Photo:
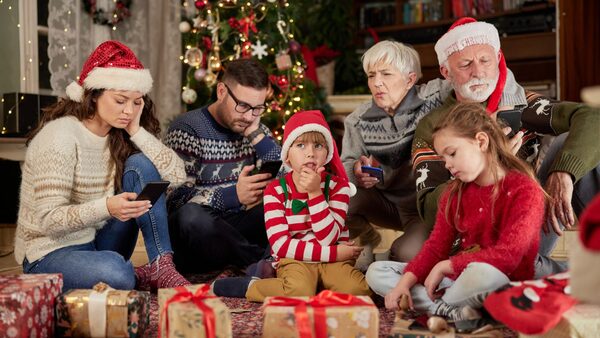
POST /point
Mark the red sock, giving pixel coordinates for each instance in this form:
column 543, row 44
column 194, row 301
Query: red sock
column 164, row 275
column 531, row 307
column 142, row 277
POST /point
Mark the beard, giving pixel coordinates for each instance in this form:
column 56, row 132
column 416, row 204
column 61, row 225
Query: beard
column 477, row 95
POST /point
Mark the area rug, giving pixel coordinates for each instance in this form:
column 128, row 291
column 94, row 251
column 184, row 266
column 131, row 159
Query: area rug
column 247, row 323
column 250, row 323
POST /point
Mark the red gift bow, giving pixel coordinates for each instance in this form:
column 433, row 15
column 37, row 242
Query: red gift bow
column 184, row 295
column 319, row 303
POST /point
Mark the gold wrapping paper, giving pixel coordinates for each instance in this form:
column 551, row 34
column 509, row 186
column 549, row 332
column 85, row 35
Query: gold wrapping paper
column 342, row 321
column 186, row 320
column 127, row 313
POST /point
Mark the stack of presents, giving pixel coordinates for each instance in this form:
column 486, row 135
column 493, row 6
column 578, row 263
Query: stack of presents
column 33, row 306
column 563, row 305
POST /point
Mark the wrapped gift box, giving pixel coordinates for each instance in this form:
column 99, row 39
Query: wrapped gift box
column 584, row 281
column 102, row 312
column 27, row 304
column 343, row 316
column 188, row 312
column 581, row 321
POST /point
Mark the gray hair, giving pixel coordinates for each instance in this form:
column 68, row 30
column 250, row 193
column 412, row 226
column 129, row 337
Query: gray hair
column 397, row 54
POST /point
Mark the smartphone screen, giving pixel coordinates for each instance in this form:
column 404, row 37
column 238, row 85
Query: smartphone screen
column 152, row 191
column 373, row 171
column 510, row 118
column 269, row 167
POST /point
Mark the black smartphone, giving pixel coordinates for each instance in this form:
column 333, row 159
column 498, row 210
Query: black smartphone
column 269, row 167
column 510, row 118
column 152, row 191
column 373, row 171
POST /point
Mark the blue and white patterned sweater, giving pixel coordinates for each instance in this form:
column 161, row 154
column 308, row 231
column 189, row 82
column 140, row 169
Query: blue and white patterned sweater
column 214, row 157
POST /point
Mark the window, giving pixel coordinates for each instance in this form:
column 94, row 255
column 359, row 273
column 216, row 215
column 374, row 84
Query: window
column 33, row 18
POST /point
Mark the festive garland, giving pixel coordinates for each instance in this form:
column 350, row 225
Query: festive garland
column 118, row 14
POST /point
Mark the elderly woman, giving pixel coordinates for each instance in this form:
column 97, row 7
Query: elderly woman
column 380, row 133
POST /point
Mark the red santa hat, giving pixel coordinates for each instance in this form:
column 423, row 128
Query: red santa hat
column 314, row 121
column 112, row 65
column 466, row 32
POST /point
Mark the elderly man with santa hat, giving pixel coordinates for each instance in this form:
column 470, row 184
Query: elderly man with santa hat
column 470, row 58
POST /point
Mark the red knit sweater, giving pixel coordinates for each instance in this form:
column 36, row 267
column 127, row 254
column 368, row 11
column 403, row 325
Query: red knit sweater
column 510, row 243
column 311, row 235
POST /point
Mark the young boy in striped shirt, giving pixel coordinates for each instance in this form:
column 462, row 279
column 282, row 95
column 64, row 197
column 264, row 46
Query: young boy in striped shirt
column 305, row 213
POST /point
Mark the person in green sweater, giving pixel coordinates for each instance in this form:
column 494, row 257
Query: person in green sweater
column 470, row 58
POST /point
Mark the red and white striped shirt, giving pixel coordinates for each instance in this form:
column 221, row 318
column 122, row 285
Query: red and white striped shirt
column 312, row 234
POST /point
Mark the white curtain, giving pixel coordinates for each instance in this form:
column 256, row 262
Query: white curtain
column 152, row 32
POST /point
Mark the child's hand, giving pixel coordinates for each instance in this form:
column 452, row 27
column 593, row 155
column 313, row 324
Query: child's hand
column 310, row 181
column 392, row 299
column 348, row 251
column 439, row 271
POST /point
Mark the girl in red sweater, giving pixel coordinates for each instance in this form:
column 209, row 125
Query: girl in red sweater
column 492, row 213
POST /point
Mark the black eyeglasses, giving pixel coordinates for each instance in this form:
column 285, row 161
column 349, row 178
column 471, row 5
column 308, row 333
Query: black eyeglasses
column 243, row 107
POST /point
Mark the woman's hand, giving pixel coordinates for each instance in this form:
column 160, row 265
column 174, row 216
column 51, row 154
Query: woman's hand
column 134, row 125
column 403, row 287
column 124, row 207
column 439, row 271
column 364, row 180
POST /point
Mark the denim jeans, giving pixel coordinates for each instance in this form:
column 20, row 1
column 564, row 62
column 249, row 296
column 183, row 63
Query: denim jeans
column 106, row 259
column 476, row 281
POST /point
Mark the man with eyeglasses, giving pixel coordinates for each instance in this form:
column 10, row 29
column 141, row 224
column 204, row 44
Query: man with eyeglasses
column 217, row 218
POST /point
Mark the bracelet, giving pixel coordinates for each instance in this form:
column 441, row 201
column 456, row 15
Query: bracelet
column 254, row 134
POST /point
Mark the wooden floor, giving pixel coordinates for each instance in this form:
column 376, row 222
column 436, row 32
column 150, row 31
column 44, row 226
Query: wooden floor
column 8, row 265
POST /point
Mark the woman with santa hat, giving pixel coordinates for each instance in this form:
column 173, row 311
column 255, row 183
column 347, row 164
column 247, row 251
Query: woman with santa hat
column 86, row 162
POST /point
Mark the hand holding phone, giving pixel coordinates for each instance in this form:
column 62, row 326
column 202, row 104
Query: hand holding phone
column 510, row 118
column 152, row 191
column 373, row 171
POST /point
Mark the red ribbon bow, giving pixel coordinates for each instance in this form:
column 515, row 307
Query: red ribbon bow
column 184, row 295
column 244, row 25
column 319, row 303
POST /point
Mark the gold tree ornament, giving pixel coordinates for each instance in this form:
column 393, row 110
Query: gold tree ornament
column 210, row 79
column 194, row 57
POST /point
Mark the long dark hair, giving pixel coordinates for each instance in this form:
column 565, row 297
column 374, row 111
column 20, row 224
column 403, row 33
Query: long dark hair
column 466, row 120
column 119, row 144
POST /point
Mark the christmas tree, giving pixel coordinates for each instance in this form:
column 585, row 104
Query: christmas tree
column 224, row 30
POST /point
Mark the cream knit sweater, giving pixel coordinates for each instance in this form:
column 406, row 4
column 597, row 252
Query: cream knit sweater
column 67, row 178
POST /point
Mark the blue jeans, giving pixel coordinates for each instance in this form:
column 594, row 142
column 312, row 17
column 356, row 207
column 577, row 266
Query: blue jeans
column 106, row 259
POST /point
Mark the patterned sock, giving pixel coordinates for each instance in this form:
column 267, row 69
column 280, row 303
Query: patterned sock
column 142, row 277
column 455, row 313
column 164, row 275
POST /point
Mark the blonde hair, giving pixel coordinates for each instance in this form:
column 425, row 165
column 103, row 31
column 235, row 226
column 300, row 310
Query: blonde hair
column 403, row 57
column 466, row 120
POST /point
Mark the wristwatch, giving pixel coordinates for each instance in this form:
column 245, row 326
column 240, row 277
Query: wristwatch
column 254, row 134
